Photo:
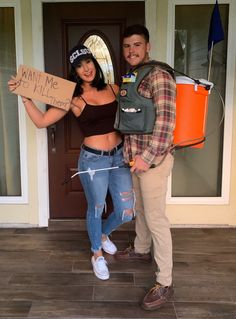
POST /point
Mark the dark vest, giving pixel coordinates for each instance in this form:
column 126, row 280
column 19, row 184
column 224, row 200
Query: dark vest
column 136, row 114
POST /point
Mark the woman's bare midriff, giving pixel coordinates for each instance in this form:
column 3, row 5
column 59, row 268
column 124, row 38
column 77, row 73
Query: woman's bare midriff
column 104, row 142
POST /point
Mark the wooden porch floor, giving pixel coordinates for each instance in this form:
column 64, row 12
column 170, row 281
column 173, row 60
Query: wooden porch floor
column 47, row 274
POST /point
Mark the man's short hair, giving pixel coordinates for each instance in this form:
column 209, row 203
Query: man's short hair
column 136, row 29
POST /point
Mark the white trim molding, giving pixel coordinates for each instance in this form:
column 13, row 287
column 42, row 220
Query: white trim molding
column 41, row 134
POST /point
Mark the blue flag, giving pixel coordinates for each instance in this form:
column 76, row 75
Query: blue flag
column 216, row 32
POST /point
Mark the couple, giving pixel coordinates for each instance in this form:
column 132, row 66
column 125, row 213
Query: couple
column 94, row 104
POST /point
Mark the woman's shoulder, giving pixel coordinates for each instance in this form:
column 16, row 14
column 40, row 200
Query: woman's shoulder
column 78, row 101
column 77, row 105
column 115, row 88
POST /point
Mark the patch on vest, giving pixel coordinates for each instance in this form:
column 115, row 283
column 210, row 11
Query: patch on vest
column 131, row 110
column 123, row 92
column 129, row 77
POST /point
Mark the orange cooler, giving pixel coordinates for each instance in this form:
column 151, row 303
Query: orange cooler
column 191, row 111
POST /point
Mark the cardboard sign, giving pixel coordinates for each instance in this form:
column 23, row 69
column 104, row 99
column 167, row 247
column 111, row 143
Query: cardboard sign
column 44, row 87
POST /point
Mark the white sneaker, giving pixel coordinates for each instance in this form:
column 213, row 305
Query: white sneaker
column 109, row 247
column 100, row 268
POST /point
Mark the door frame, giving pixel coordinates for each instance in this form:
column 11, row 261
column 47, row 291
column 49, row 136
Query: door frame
column 41, row 135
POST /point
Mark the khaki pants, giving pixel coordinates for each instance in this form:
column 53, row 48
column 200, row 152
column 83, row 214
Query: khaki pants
column 152, row 224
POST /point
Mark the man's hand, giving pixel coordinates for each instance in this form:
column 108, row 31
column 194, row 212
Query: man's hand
column 139, row 165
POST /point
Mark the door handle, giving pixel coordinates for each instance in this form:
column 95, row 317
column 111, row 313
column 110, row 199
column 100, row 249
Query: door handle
column 53, row 129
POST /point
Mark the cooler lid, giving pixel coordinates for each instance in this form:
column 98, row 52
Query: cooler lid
column 184, row 80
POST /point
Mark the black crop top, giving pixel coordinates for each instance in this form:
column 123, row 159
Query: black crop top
column 97, row 119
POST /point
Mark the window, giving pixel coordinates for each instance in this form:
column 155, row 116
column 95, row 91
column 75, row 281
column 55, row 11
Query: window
column 102, row 54
column 12, row 166
column 211, row 170
column 198, row 172
column 10, row 184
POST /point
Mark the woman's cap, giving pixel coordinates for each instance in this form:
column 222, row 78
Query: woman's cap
column 78, row 53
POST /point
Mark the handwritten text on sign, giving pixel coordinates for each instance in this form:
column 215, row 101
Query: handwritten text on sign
column 44, row 87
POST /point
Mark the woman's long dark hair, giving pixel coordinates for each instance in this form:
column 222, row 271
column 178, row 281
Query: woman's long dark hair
column 98, row 82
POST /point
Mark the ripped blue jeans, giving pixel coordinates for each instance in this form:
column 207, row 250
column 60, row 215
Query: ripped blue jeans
column 96, row 185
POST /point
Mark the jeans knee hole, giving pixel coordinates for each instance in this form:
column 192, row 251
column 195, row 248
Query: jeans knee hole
column 128, row 212
column 126, row 196
column 127, row 215
column 98, row 210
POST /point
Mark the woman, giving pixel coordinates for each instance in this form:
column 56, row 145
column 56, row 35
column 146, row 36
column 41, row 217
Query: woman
column 94, row 105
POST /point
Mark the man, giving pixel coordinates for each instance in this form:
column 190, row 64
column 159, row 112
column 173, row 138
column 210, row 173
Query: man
column 152, row 164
